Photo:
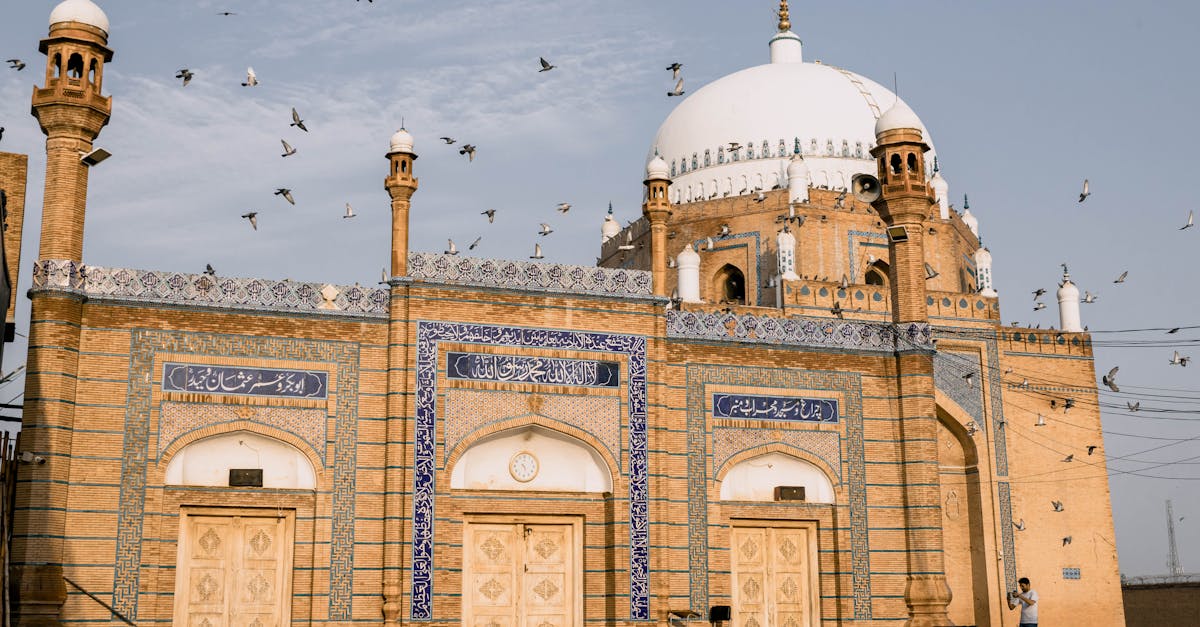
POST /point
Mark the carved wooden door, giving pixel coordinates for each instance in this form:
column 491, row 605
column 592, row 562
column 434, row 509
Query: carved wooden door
column 774, row 574
column 234, row 571
column 519, row 575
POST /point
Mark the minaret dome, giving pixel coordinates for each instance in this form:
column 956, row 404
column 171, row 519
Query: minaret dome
column 81, row 11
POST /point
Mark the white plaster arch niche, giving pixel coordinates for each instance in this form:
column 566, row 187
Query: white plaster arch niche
column 564, row 463
column 755, row 479
column 206, row 462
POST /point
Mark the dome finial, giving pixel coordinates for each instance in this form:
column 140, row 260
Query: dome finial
column 785, row 24
column 610, row 207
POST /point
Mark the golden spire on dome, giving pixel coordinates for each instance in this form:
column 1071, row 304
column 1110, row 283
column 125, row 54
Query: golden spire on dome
column 785, row 24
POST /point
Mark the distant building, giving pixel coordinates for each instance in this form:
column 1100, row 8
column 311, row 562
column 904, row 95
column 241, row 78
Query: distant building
column 826, row 425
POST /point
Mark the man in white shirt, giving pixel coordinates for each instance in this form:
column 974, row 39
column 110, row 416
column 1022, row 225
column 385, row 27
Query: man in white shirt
column 1027, row 598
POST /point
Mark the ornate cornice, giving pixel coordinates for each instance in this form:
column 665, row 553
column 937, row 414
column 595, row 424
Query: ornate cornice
column 800, row 331
column 527, row 275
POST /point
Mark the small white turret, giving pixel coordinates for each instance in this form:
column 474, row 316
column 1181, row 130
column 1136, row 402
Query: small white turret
column 941, row 192
column 968, row 218
column 402, row 141
column 1068, row 304
column 785, row 45
column 787, row 255
column 797, row 175
column 657, row 169
column 688, row 263
column 983, row 273
column 610, row 228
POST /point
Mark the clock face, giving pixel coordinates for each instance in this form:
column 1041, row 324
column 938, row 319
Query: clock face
column 523, row 466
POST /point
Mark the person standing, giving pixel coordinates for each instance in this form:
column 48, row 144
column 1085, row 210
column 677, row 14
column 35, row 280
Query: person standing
column 1027, row 598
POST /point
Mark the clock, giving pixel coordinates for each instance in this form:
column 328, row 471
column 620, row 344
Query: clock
column 523, row 466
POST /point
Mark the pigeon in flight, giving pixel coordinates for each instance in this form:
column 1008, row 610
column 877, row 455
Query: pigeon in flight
column 349, row 212
column 287, row 149
column 251, row 78
column 383, row 276
column 1, row 132
column 930, row 273
column 1092, row 448
column 1039, row 306
column 675, row 67
column 1041, row 421
column 563, row 207
column 253, row 218
column 734, row 146
column 761, row 197
column 708, row 243
column 475, row 243
column 1180, row 361
column 1191, row 221
column 546, row 67
column 1173, row 330
column 1085, row 193
column 537, row 252
column 1020, row 525
column 186, row 75
column 490, row 213
column 1121, row 279
column 1088, row 298
column 452, row 250
column 1110, row 379
column 468, row 150
column 1133, row 406
column 16, row 64
column 969, row 378
column 448, row 140
column 1066, row 540
column 628, row 245
column 546, row 230
column 678, row 91
column 1038, row 293
column 297, row 122
column 208, row 269
column 1069, row 458
column 226, row 13
column 1058, row 505
column 286, row 193
column 837, row 309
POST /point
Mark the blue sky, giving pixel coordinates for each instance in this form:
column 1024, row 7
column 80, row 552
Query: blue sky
column 1023, row 99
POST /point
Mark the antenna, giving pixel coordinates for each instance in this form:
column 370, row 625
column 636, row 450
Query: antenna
column 896, row 84
column 1174, row 568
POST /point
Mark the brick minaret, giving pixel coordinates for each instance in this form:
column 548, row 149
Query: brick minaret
column 71, row 112
column 657, row 209
column 904, row 206
column 400, row 184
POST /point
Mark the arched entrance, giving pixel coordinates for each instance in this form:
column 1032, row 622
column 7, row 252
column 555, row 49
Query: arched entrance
column 962, row 523
column 729, row 285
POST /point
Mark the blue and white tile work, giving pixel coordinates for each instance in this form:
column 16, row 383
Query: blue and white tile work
column 528, row 275
column 799, row 331
column 630, row 348
column 949, row 368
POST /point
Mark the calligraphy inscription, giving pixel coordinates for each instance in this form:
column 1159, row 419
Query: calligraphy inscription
column 521, row 369
column 245, row 381
column 775, row 408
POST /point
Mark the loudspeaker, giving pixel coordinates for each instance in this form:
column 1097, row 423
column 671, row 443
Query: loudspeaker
column 865, row 187
column 719, row 613
column 789, row 493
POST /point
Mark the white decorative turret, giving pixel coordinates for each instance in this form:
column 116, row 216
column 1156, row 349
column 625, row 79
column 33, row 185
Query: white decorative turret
column 898, row 117
column 1068, row 304
column 402, row 141
column 785, row 45
column 688, row 263
column 787, row 255
column 81, row 11
column 968, row 219
column 797, row 175
column 610, row 228
column 983, row 273
column 941, row 192
column 657, row 169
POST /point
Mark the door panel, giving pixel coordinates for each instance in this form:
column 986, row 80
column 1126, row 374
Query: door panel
column 774, row 571
column 519, row 575
column 491, row 573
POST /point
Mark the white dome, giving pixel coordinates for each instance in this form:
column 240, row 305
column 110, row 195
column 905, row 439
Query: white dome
column 939, row 185
column 899, row 116
column 828, row 112
column 610, row 228
column 656, row 170
column 402, row 141
column 82, row 11
column 797, row 167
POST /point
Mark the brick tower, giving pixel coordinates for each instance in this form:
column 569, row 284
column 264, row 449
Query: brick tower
column 904, row 206
column 71, row 112
column 400, row 184
column 657, row 209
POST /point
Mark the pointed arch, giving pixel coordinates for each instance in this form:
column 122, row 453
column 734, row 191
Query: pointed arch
column 729, row 285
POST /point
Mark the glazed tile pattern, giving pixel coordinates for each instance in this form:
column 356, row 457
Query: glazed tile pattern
column 176, row 420
column 470, row 410
column 729, row 441
column 700, row 474
column 207, row 291
column 528, row 275
column 948, row 370
column 799, row 331
column 342, row 357
column 1006, row 536
column 630, row 347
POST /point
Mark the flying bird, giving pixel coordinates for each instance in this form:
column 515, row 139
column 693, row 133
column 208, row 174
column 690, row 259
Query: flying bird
column 286, row 193
column 226, row 13
column 678, row 91
column 16, row 64
column 1092, row 448
column 1066, row 540
column 1039, row 306
column 208, row 269
column 253, row 218
column 452, row 250
column 537, row 252
column 1133, row 406
column 1191, row 221
column 969, row 378
column 475, row 243
column 930, row 273
column 628, row 245
column 708, row 243
column 186, row 75
column 1174, row 330
column 734, row 146
column 1121, row 279
column 251, row 78
column 1085, row 193
column 1069, row 458
column 1110, row 379
column 1, row 132
column 349, row 212
column 675, row 67
column 1020, row 525
column 448, row 140
column 1041, row 421
column 297, row 122
column 1068, row 404
column 563, row 207
column 287, row 149
column 546, row 67
column 468, row 150
column 383, row 276
column 546, row 230
column 1088, row 298
column 490, row 213
column 1058, row 505
column 762, row 196
column 837, row 309
column 1180, row 361
column 1038, row 293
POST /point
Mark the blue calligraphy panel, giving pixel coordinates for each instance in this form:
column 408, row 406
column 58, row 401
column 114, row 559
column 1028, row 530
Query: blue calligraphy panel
column 273, row 382
column 775, row 408
column 522, row 369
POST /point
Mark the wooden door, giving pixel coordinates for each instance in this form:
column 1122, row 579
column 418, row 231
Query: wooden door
column 234, row 570
column 774, row 576
column 520, row 575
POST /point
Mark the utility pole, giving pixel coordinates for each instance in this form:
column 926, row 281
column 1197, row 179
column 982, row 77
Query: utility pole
column 1174, row 568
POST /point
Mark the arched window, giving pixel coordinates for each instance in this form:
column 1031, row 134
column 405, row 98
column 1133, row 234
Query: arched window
column 783, row 148
column 845, row 148
column 829, row 147
column 749, row 150
column 812, row 146
column 683, row 165
column 895, row 163
column 877, row 273
column 766, row 150
column 729, row 284
column 707, row 157
column 92, row 67
column 695, row 161
column 758, row 181
column 700, row 191
column 672, row 169
column 75, row 66
column 721, row 154
column 57, row 65
column 858, row 151
column 912, row 162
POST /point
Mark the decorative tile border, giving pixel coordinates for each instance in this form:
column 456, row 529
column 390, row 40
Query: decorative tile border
column 698, row 377
column 799, row 331
column 245, row 381
column 144, row 345
column 528, row 275
column 1006, row 536
column 176, row 420
column 531, row 369
column 778, row 408
column 948, row 370
column 632, row 347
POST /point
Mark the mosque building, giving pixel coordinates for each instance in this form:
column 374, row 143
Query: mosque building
column 784, row 398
